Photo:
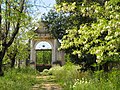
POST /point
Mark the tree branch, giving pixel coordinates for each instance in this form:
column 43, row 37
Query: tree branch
column 17, row 25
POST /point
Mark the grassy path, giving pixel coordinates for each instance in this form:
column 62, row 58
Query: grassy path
column 46, row 83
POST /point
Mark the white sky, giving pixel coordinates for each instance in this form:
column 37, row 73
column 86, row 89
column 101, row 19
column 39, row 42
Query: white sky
column 42, row 6
column 48, row 3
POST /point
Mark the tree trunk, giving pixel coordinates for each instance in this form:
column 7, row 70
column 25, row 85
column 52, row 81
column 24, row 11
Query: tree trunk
column 1, row 72
column 2, row 53
column 12, row 56
column 13, row 63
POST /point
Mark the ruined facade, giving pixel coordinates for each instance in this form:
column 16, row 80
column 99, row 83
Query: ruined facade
column 42, row 35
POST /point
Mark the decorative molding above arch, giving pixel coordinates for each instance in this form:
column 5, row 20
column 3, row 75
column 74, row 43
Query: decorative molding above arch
column 49, row 42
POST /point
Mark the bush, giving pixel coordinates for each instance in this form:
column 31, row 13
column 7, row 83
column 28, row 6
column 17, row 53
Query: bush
column 66, row 74
column 71, row 78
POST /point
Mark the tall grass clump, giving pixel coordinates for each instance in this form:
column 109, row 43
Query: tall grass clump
column 18, row 79
column 66, row 74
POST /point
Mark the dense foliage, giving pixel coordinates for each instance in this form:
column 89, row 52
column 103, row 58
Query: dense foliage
column 12, row 17
column 56, row 23
column 90, row 29
column 19, row 50
column 43, row 57
column 100, row 37
column 15, row 29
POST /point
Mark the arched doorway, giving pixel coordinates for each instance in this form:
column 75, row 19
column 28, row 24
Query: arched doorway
column 43, row 53
column 43, row 42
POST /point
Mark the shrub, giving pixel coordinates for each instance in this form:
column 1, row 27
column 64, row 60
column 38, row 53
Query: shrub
column 66, row 74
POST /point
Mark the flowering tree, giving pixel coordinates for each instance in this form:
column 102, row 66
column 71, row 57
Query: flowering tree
column 100, row 37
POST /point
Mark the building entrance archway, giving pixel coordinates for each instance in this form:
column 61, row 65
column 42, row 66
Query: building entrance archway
column 43, row 41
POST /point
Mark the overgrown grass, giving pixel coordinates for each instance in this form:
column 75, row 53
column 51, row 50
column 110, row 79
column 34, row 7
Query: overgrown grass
column 64, row 75
column 99, row 81
column 71, row 78
column 18, row 79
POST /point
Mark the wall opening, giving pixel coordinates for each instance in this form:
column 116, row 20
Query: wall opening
column 43, row 53
column 43, row 57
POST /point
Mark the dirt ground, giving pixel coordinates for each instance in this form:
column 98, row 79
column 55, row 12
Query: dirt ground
column 48, row 83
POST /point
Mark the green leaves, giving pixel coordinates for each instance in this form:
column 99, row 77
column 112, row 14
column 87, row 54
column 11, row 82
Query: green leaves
column 100, row 37
column 66, row 7
column 56, row 23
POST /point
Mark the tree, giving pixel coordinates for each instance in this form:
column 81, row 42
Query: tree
column 12, row 16
column 19, row 50
column 55, row 23
column 100, row 37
